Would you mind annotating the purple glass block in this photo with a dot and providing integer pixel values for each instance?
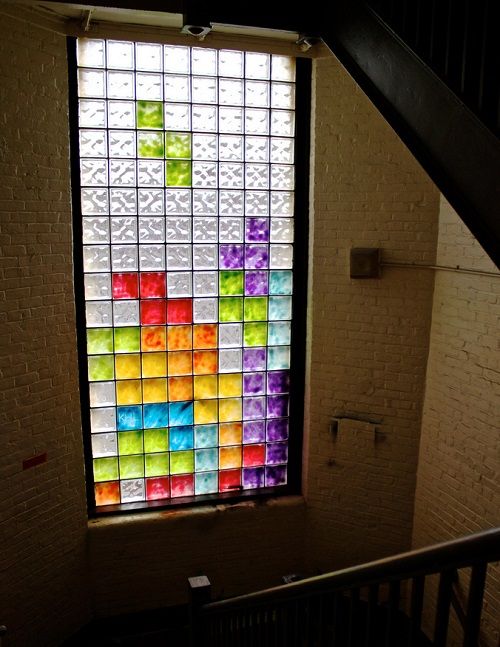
(254, 408)
(253, 384)
(276, 475)
(278, 382)
(253, 432)
(256, 257)
(231, 257)
(254, 359)
(257, 230)
(253, 477)
(277, 406)
(277, 429)
(256, 283)
(276, 453)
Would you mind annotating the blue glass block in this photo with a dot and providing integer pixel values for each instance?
(155, 415)
(205, 436)
(279, 333)
(280, 308)
(278, 357)
(181, 413)
(129, 418)
(205, 460)
(181, 438)
(206, 483)
(280, 282)
(253, 477)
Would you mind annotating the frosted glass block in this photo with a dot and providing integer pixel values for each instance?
(205, 174)
(257, 66)
(279, 333)
(121, 143)
(121, 114)
(121, 85)
(229, 360)
(205, 257)
(92, 113)
(205, 310)
(94, 201)
(256, 203)
(97, 286)
(178, 257)
(151, 201)
(177, 116)
(96, 258)
(132, 490)
(178, 230)
(149, 86)
(203, 61)
(179, 284)
(230, 148)
(204, 118)
(257, 149)
(98, 314)
(282, 123)
(230, 120)
(151, 173)
(282, 177)
(176, 59)
(126, 313)
(178, 201)
(120, 55)
(204, 202)
(281, 230)
(124, 229)
(151, 257)
(95, 230)
(205, 230)
(121, 173)
(124, 257)
(257, 94)
(204, 89)
(230, 335)
(278, 357)
(104, 445)
(281, 257)
(91, 83)
(93, 143)
(231, 92)
(231, 175)
(231, 230)
(102, 394)
(231, 203)
(177, 88)
(256, 121)
(230, 63)
(282, 150)
(123, 201)
(283, 95)
(149, 57)
(205, 284)
(90, 52)
(103, 420)
(256, 176)
(282, 68)
(204, 147)
(151, 229)
(282, 204)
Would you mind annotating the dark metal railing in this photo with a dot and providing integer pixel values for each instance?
(375, 604)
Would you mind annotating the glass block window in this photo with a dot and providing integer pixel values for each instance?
(186, 181)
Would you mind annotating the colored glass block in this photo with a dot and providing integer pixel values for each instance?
(157, 488)
(204, 362)
(253, 478)
(255, 334)
(255, 310)
(277, 429)
(254, 383)
(256, 257)
(206, 483)
(128, 392)
(205, 387)
(231, 256)
(179, 311)
(256, 283)
(230, 433)
(156, 464)
(180, 388)
(276, 453)
(231, 309)
(257, 230)
(205, 336)
(254, 431)
(182, 462)
(149, 114)
(181, 438)
(150, 144)
(130, 442)
(280, 308)
(230, 385)
(153, 338)
(230, 283)
(229, 457)
(125, 286)
(180, 363)
(229, 480)
(107, 493)
(206, 460)
(230, 409)
(178, 173)
(155, 440)
(278, 382)
(155, 415)
(254, 455)
(279, 333)
(152, 285)
(178, 145)
(181, 414)
(131, 467)
(154, 390)
(276, 475)
(101, 367)
(154, 365)
(182, 485)
(254, 408)
(179, 337)
(277, 406)
(278, 357)
(205, 436)
(205, 411)
(105, 469)
(127, 367)
(153, 312)
(254, 359)
(127, 340)
(129, 417)
(99, 340)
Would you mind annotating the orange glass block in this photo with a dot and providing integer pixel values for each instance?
(180, 363)
(205, 387)
(127, 367)
(180, 388)
(154, 390)
(230, 410)
(205, 362)
(179, 338)
(128, 392)
(229, 457)
(154, 365)
(107, 493)
(205, 336)
(205, 412)
(153, 338)
(229, 385)
(230, 433)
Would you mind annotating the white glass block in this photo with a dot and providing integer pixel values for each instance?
(204, 147)
(282, 150)
(282, 68)
(91, 83)
(205, 310)
(257, 66)
(230, 120)
(178, 257)
(124, 257)
(230, 176)
(123, 201)
(124, 229)
(256, 121)
(231, 92)
(149, 86)
(152, 257)
(283, 95)
(178, 230)
(229, 360)
(120, 55)
(203, 61)
(204, 118)
(257, 149)
(176, 59)
(282, 177)
(148, 57)
(90, 52)
(132, 490)
(102, 394)
(95, 230)
(205, 284)
(126, 313)
(256, 176)
(204, 202)
(282, 230)
(93, 143)
(92, 113)
(204, 89)
(151, 229)
(151, 202)
(94, 201)
(97, 286)
(256, 203)
(281, 257)
(177, 88)
(121, 114)
(93, 172)
(231, 230)
(282, 203)
(177, 116)
(121, 85)
(151, 172)
(230, 63)
(205, 174)
(282, 123)
(96, 258)
(230, 148)
(121, 172)
(179, 284)
(231, 203)
(205, 230)
(104, 445)
(205, 257)
(257, 94)
(121, 143)
(230, 335)
(98, 314)
(103, 420)
(178, 201)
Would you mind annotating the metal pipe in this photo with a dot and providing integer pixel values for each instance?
(445, 268)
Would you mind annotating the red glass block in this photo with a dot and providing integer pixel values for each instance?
(153, 285)
(107, 493)
(157, 488)
(179, 311)
(125, 286)
(254, 455)
(229, 480)
(182, 485)
(153, 312)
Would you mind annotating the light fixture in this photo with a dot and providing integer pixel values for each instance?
(304, 43)
(197, 31)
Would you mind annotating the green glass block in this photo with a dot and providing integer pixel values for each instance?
(155, 440)
(230, 283)
(130, 442)
(105, 469)
(231, 309)
(99, 340)
(178, 145)
(101, 367)
(127, 340)
(149, 114)
(178, 173)
(150, 144)
(255, 308)
(156, 464)
(131, 467)
(255, 334)
(182, 462)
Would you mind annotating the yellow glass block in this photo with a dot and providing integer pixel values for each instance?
(180, 388)
(205, 362)
(154, 365)
(127, 366)
(230, 433)
(205, 411)
(180, 363)
(128, 392)
(205, 387)
(229, 457)
(179, 338)
(205, 336)
(153, 338)
(230, 385)
(230, 410)
(154, 390)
